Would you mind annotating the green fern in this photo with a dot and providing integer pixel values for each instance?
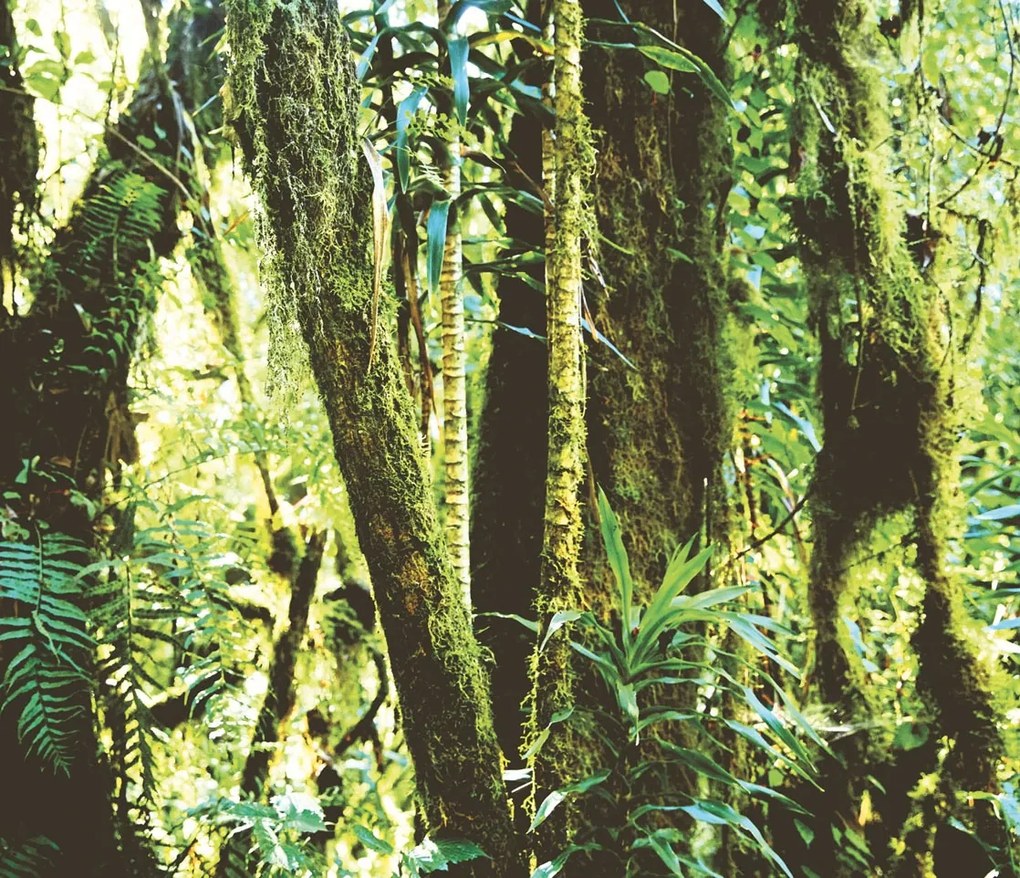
(123, 214)
(46, 633)
(28, 858)
(159, 612)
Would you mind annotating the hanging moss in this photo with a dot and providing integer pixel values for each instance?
(292, 103)
(886, 382)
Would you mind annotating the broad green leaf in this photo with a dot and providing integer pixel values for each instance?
(366, 58)
(458, 49)
(1011, 511)
(549, 804)
(439, 214)
(489, 7)
(700, 762)
(676, 57)
(626, 697)
(582, 786)
(558, 621)
(910, 736)
(712, 597)
(681, 571)
(657, 81)
(439, 853)
(669, 59)
(775, 724)
(405, 113)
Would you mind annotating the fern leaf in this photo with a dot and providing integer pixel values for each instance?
(45, 682)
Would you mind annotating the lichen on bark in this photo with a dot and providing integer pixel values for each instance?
(293, 101)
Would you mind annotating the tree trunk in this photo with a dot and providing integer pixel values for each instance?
(887, 400)
(509, 482)
(561, 759)
(19, 145)
(293, 108)
(659, 431)
(456, 515)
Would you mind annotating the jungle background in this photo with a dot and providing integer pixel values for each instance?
(570, 437)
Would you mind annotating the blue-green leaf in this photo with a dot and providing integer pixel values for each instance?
(458, 48)
(717, 9)
(439, 213)
(489, 7)
(405, 113)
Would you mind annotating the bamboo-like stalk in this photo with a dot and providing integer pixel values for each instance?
(455, 431)
(567, 160)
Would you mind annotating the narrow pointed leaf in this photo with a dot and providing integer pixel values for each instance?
(439, 215)
(405, 113)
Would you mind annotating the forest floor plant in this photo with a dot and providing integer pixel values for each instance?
(668, 643)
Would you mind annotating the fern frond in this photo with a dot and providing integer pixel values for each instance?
(157, 614)
(41, 618)
(28, 858)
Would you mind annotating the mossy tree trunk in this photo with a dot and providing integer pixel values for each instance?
(293, 108)
(68, 357)
(562, 758)
(19, 145)
(887, 400)
(659, 432)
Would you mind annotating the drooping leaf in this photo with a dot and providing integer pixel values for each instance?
(558, 621)
(549, 804)
(459, 48)
(617, 554)
(717, 9)
(439, 214)
(405, 113)
(668, 58)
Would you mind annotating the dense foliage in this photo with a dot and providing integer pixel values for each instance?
(509, 438)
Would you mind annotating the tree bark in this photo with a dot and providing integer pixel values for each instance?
(456, 511)
(659, 432)
(561, 759)
(293, 109)
(509, 481)
(19, 144)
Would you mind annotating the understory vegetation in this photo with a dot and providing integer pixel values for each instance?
(509, 438)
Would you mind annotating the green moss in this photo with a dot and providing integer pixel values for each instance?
(293, 106)
(887, 389)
